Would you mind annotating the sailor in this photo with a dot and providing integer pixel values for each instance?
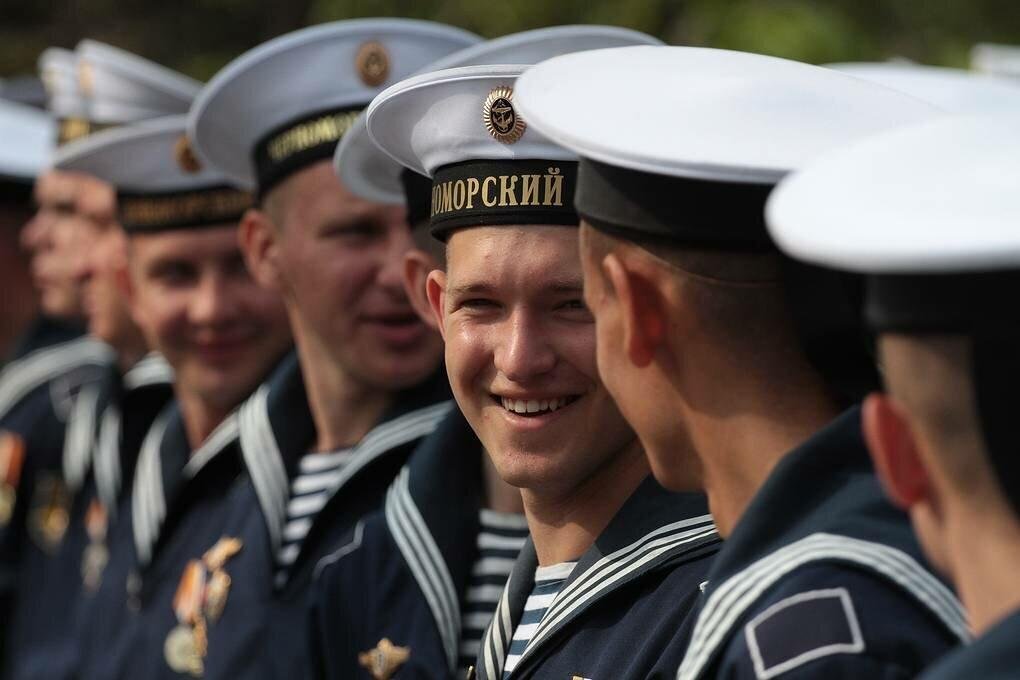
(928, 215)
(704, 338)
(520, 355)
(472, 518)
(222, 333)
(325, 437)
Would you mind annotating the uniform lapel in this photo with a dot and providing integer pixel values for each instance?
(432, 514)
(496, 642)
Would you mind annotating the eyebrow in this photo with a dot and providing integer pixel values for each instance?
(571, 286)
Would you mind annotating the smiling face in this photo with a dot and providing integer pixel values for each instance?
(338, 262)
(520, 353)
(198, 306)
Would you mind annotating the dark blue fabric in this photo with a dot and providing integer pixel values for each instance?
(828, 485)
(993, 656)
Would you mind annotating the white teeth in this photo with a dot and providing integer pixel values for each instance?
(533, 405)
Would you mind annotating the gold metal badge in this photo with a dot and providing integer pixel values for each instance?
(372, 63)
(50, 513)
(12, 455)
(96, 555)
(384, 660)
(86, 78)
(500, 117)
(181, 653)
(185, 155)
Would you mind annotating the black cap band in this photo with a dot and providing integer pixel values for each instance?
(418, 196)
(503, 192)
(639, 206)
(945, 303)
(193, 209)
(300, 143)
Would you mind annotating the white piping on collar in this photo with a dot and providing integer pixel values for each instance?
(426, 562)
(152, 369)
(268, 471)
(736, 595)
(19, 378)
(148, 502)
(80, 438)
(107, 459)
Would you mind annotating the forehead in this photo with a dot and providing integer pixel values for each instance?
(207, 243)
(507, 253)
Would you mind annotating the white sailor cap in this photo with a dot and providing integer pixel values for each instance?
(286, 103)
(461, 127)
(684, 143)
(1002, 60)
(26, 142)
(58, 70)
(122, 87)
(160, 183)
(368, 172)
(954, 90)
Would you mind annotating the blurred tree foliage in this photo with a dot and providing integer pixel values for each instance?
(199, 36)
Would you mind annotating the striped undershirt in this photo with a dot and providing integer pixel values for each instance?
(548, 582)
(309, 491)
(501, 536)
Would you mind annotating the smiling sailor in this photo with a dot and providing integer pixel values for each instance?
(929, 215)
(472, 521)
(324, 438)
(520, 352)
(704, 334)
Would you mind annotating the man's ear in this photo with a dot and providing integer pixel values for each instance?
(417, 265)
(258, 240)
(642, 309)
(894, 451)
(435, 290)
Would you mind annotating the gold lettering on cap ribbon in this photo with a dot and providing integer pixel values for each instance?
(540, 191)
(328, 128)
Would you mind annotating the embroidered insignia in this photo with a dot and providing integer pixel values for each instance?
(372, 63)
(185, 156)
(802, 628)
(200, 599)
(49, 516)
(383, 661)
(500, 118)
(96, 555)
(12, 455)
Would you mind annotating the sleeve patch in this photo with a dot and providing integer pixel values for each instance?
(802, 628)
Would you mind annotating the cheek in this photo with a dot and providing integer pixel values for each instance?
(161, 315)
(468, 354)
(577, 348)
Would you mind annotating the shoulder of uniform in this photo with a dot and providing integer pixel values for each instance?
(23, 376)
(340, 557)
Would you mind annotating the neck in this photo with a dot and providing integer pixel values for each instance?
(343, 409)
(200, 418)
(742, 421)
(499, 495)
(129, 354)
(564, 525)
(983, 566)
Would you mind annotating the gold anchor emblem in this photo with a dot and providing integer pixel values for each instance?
(384, 660)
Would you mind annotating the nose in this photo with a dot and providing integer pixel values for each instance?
(210, 305)
(33, 234)
(391, 272)
(524, 352)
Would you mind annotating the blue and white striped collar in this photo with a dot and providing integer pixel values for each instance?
(276, 430)
(653, 530)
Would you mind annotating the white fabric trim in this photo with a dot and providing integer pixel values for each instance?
(19, 378)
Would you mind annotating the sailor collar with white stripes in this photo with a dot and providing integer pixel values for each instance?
(93, 436)
(432, 513)
(166, 465)
(19, 378)
(653, 530)
(276, 430)
(820, 503)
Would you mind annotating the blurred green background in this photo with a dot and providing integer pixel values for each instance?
(199, 36)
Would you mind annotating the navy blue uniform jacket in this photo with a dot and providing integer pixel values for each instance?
(993, 656)
(405, 574)
(624, 613)
(822, 578)
(264, 630)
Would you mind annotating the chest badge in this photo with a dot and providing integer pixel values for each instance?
(50, 513)
(96, 555)
(12, 455)
(200, 599)
(384, 660)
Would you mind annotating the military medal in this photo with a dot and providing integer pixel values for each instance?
(383, 661)
(96, 554)
(12, 455)
(50, 513)
(200, 599)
